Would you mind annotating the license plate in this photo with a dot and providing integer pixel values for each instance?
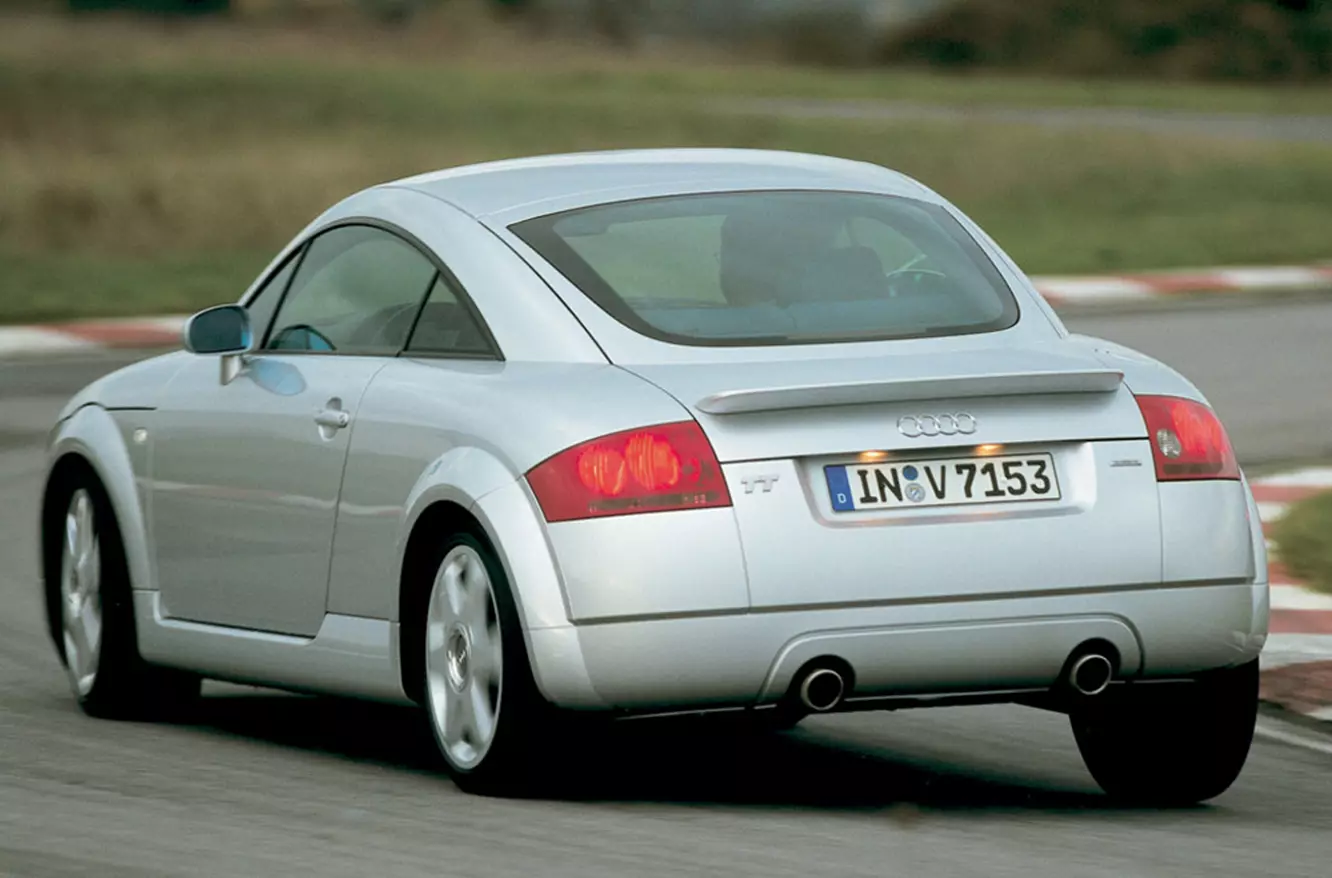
(956, 481)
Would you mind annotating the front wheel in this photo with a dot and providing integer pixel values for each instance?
(483, 705)
(94, 618)
(1171, 744)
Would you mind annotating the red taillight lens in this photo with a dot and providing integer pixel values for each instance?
(1188, 441)
(654, 469)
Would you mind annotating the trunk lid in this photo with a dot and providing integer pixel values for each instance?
(802, 407)
(1046, 415)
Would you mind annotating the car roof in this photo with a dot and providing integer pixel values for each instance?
(517, 189)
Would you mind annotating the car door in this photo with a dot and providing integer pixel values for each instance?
(246, 473)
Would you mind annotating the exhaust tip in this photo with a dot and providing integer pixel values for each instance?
(822, 690)
(1091, 674)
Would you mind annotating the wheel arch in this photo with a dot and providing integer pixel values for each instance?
(89, 445)
(507, 522)
(437, 521)
(66, 472)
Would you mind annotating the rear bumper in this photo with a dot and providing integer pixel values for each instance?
(927, 648)
(653, 612)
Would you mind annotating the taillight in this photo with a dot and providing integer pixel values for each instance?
(1188, 441)
(652, 469)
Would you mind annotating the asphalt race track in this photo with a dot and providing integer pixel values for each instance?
(270, 784)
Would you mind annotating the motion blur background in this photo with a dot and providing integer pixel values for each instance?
(155, 153)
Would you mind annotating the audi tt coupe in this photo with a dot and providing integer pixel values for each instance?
(655, 431)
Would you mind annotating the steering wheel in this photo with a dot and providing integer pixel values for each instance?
(386, 328)
(918, 272)
(915, 282)
(314, 341)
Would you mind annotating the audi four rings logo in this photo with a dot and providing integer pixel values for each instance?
(936, 425)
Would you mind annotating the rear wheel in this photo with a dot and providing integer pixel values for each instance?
(1171, 744)
(96, 618)
(484, 708)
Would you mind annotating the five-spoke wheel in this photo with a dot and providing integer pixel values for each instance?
(480, 696)
(92, 612)
(81, 593)
(464, 658)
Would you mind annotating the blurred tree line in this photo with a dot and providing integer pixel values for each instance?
(1212, 39)
(615, 20)
(610, 15)
(1249, 39)
(197, 7)
(155, 7)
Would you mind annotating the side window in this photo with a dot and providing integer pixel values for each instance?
(265, 302)
(447, 326)
(357, 291)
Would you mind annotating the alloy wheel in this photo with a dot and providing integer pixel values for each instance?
(81, 593)
(464, 658)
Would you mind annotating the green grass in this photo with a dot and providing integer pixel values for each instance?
(52, 287)
(142, 174)
(1304, 541)
(979, 89)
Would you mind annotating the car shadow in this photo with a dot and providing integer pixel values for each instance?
(693, 760)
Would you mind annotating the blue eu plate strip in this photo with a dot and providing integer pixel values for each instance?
(839, 487)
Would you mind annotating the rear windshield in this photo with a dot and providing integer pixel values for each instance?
(777, 267)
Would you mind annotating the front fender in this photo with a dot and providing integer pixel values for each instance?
(99, 437)
(136, 386)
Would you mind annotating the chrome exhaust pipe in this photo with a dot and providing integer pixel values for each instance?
(1091, 674)
(822, 690)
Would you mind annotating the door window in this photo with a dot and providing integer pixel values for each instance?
(262, 305)
(357, 291)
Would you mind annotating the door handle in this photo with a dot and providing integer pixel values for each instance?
(333, 419)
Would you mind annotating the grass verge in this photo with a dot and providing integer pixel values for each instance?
(150, 169)
(1304, 541)
(45, 287)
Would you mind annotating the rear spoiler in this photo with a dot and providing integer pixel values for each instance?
(729, 402)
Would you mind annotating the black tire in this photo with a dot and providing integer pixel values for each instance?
(1169, 744)
(513, 761)
(124, 687)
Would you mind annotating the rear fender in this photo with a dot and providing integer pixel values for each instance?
(1142, 374)
(1262, 595)
(486, 488)
(1260, 574)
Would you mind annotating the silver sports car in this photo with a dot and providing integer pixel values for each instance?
(660, 431)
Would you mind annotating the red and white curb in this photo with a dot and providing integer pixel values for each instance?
(57, 338)
(1297, 660)
(1160, 285)
(154, 332)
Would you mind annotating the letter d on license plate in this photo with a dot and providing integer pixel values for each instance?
(957, 481)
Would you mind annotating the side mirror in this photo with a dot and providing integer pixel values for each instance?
(221, 330)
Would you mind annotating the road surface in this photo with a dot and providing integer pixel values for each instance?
(271, 784)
